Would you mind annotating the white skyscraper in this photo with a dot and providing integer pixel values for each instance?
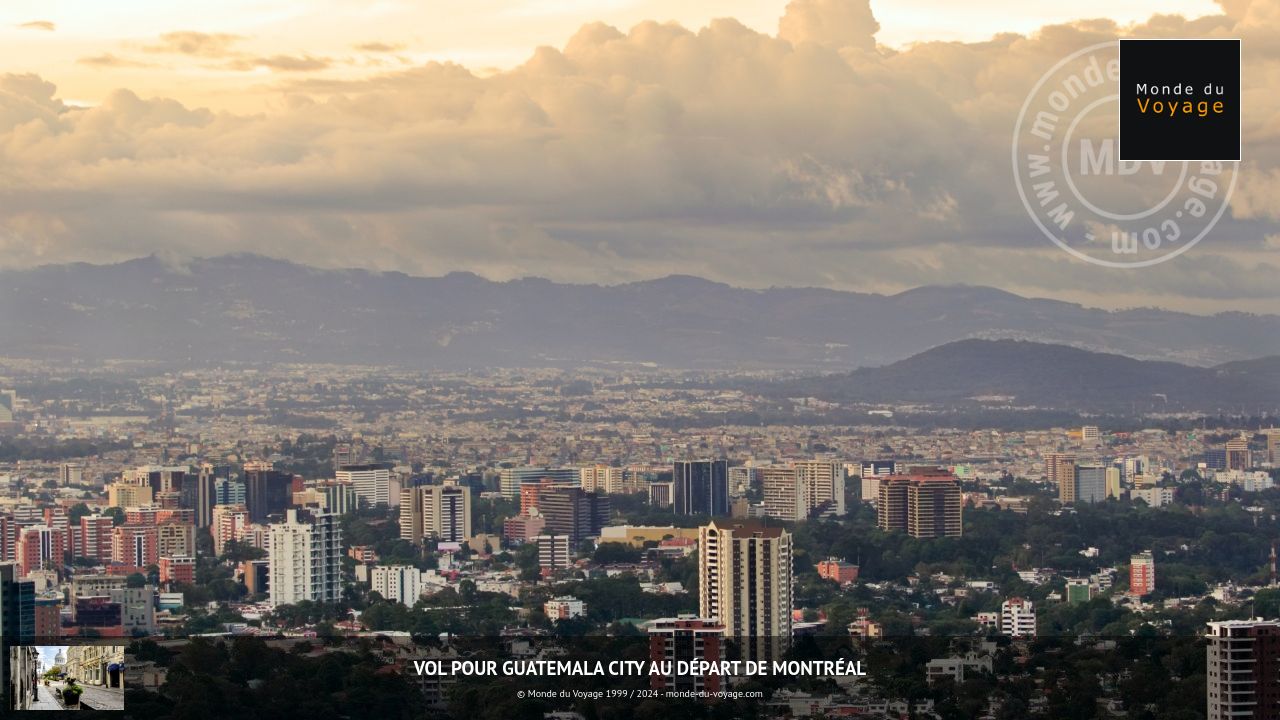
(442, 512)
(1018, 618)
(372, 482)
(305, 559)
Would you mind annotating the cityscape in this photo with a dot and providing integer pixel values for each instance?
(308, 506)
(613, 359)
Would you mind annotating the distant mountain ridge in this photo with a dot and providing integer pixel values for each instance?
(1026, 374)
(252, 308)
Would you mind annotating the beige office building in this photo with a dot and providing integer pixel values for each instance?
(745, 576)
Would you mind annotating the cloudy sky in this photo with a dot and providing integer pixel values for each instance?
(829, 143)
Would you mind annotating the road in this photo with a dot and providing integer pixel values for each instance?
(100, 698)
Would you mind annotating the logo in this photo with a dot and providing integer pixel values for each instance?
(1082, 196)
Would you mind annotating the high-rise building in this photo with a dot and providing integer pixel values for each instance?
(1091, 483)
(1018, 617)
(573, 512)
(206, 496)
(399, 583)
(39, 546)
(441, 511)
(123, 494)
(17, 623)
(802, 490)
(662, 494)
(160, 478)
(371, 482)
(175, 539)
(1060, 472)
(684, 639)
(267, 491)
(601, 479)
(17, 606)
(1090, 435)
(1273, 445)
(1238, 454)
(785, 494)
(1142, 574)
(95, 537)
(331, 496)
(70, 474)
(925, 504)
(554, 553)
(870, 473)
(305, 558)
(701, 487)
(135, 546)
(510, 480)
(744, 584)
(230, 522)
(1242, 672)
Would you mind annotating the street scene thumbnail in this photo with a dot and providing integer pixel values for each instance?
(65, 677)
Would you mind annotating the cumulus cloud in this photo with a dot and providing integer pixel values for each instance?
(807, 157)
(199, 44)
(44, 25)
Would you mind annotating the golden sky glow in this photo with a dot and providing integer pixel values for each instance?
(90, 47)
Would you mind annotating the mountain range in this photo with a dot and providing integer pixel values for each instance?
(253, 308)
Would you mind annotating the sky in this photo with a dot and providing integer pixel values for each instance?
(49, 652)
(833, 143)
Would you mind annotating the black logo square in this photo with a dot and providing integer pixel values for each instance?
(1179, 99)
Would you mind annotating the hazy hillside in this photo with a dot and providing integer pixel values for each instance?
(1053, 376)
(254, 308)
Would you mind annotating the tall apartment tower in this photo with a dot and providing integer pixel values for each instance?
(267, 491)
(701, 487)
(1091, 483)
(442, 512)
(926, 504)
(305, 559)
(745, 575)
(1242, 675)
(372, 482)
(801, 490)
(1142, 574)
(601, 478)
(206, 495)
(573, 512)
(1060, 472)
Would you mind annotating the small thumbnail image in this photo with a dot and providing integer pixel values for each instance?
(65, 677)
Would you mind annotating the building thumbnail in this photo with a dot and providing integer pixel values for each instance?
(745, 584)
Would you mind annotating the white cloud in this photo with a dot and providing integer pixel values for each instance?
(806, 158)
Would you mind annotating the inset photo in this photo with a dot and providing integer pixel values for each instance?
(65, 677)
